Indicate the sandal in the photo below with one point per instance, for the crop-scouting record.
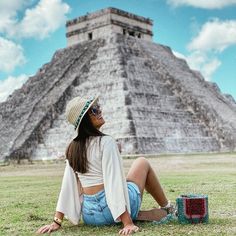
(171, 213)
(169, 208)
(164, 220)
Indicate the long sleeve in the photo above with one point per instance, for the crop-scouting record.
(69, 200)
(115, 185)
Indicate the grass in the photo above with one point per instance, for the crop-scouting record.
(28, 195)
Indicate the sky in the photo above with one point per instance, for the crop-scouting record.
(203, 32)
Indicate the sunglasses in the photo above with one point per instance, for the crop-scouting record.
(95, 109)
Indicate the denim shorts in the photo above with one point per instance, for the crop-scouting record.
(95, 210)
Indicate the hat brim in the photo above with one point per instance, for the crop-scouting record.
(94, 100)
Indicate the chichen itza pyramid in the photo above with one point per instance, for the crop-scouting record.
(152, 101)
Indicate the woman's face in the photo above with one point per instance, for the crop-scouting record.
(95, 114)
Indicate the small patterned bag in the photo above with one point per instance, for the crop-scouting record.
(192, 209)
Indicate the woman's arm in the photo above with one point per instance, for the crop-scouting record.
(129, 226)
(116, 186)
(68, 202)
(69, 198)
(58, 217)
(55, 225)
(114, 180)
(126, 219)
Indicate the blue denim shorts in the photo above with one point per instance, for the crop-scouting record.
(96, 212)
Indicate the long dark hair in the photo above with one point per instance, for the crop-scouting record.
(76, 152)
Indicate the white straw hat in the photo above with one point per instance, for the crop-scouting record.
(76, 109)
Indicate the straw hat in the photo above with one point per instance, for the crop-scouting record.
(76, 109)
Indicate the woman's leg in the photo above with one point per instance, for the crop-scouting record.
(142, 174)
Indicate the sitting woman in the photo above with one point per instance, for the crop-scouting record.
(94, 184)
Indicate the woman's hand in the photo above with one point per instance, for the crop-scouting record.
(48, 228)
(129, 229)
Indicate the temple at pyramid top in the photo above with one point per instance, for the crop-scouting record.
(105, 22)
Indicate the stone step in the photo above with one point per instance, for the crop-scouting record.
(157, 128)
(47, 153)
(156, 87)
(55, 140)
(146, 98)
(182, 145)
(170, 129)
(152, 145)
(153, 113)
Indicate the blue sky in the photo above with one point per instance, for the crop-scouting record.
(201, 31)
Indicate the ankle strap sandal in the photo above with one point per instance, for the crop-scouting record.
(169, 208)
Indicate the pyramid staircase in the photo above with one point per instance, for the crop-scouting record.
(152, 102)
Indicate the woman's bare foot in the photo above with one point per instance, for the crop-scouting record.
(155, 214)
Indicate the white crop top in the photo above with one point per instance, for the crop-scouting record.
(105, 166)
(94, 174)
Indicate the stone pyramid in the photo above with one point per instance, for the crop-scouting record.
(152, 101)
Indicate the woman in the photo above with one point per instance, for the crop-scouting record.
(94, 184)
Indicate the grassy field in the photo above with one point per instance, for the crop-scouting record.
(28, 195)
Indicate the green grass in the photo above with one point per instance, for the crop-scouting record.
(28, 195)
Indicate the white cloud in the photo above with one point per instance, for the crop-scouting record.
(12, 4)
(215, 35)
(37, 22)
(207, 64)
(45, 18)
(206, 4)
(8, 85)
(8, 13)
(209, 68)
(11, 55)
(179, 55)
(211, 40)
(196, 59)
(201, 61)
